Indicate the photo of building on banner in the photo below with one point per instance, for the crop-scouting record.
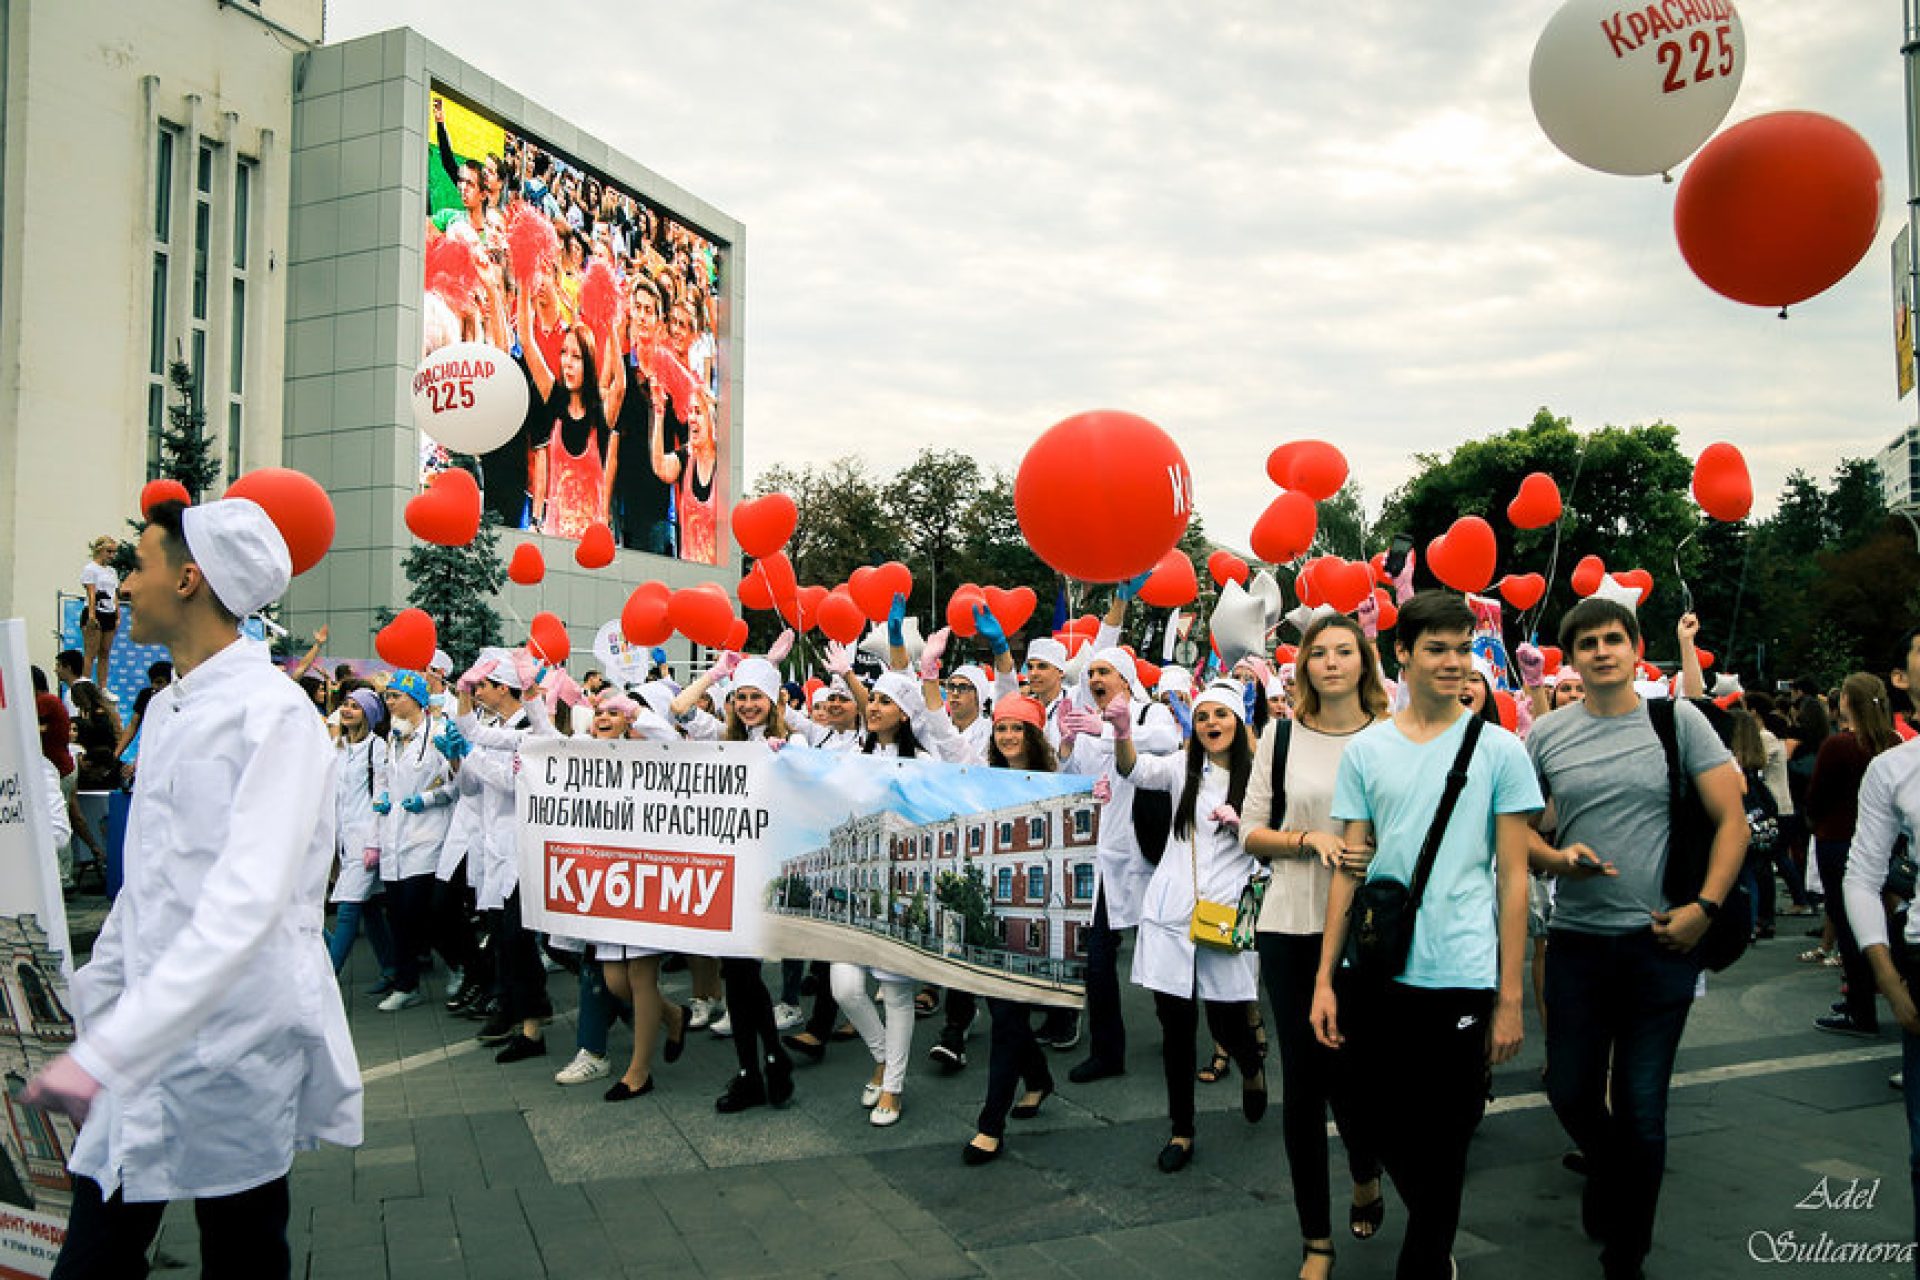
(959, 876)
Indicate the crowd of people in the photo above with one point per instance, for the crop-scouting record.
(1362, 817)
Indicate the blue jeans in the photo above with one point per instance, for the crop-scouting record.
(1616, 1007)
(347, 920)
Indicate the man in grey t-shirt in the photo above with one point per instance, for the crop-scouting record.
(1620, 976)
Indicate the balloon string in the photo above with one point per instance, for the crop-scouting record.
(1686, 592)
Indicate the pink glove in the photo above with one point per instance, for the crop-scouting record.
(1368, 616)
(1102, 790)
(1522, 716)
(1258, 669)
(1227, 816)
(561, 687)
(1403, 581)
(63, 1085)
(724, 665)
(1532, 664)
(1077, 722)
(838, 658)
(370, 857)
(781, 646)
(1119, 714)
(934, 649)
(776, 745)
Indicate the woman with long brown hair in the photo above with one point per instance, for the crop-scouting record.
(1833, 797)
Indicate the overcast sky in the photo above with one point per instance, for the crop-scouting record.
(1250, 222)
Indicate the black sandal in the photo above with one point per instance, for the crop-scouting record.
(1215, 1071)
(1369, 1215)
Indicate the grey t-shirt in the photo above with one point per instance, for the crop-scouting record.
(1607, 778)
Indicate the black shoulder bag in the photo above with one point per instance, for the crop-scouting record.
(1689, 847)
(1152, 814)
(1381, 917)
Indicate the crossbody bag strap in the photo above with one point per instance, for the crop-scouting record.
(1456, 782)
(1282, 738)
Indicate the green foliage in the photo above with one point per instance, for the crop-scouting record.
(186, 451)
(456, 586)
(965, 892)
(917, 911)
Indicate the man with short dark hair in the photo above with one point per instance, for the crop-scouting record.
(212, 1043)
(1620, 978)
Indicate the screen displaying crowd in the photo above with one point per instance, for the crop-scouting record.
(616, 312)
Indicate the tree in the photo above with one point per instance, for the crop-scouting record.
(965, 892)
(928, 501)
(844, 522)
(186, 451)
(1342, 528)
(456, 586)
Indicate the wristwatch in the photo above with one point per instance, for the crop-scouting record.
(1709, 906)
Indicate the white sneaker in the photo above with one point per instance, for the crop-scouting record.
(398, 1000)
(699, 1013)
(454, 978)
(723, 1025)
(584, 1067)
(787, 1016)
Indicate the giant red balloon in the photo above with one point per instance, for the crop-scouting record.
(1523, 590)
(527, 566)
(644, 621)
(1103, 495)
(1537, 504)
(1463, 558)
(840, 618)
(547, 639)
(1587, 575)
(1285, 529)
(763, 525)
(1778, 208)
(1011, 609)
(1314, 467)
(1721, 483)
(165, 489)
(1172, 583)
(448, 513)
(702, 614)
(298, 507)
(408, 641)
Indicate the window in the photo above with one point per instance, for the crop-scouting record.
(946, 842)
(202, 228)
(1083, 882)
(237, 319)
(1083, 822)
(160, 247)
(1036, 884)
(41, 1005)
(1006, 833)
(973, 838)
(926, 845)
(1036, 830)
(1003, 888)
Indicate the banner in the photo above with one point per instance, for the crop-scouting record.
(35, 1028)
(1903, 312)
(955, 875)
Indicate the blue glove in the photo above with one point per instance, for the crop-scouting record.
(383, 805)
(1183, 713)
(414, 804)
(453, 744)
(1131, 587)
(659, 655)
(897, 622)
(990, 630)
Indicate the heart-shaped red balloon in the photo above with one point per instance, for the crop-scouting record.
(1172, 583)
(528, 566)
(1705, 656)
(1551, 652)
(1305, 588)
(840, 619)
(547, 639)
(1285, 529)
(1537, 504)
(408, 641)
(595, 548)
(1224, 567)
(737, 635)
(702, 614)
(873, 590)
(754, 592)
(644, 621)
(165, 489)
(1587, 575)
(960, 607)
(1344, 583)
(811, 600)
(1388, 612)
(448, 513)
(1721, 484)
(762, 525)
(1012, 609)
(1523, 590)
(1640, 580)
(1314, 467)
(1463, 557)
(1285, 653)
(782, 587)
(1379, 565)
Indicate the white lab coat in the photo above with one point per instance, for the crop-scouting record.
(209, 1011)
(359, 779)
(416, 767)
(493, 763)
(1121, 871)
(463, 829)
(57, 820)
(1165, 957)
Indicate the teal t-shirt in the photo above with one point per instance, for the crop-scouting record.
(1395, 783)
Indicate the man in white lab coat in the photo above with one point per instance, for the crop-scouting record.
(212, 1043)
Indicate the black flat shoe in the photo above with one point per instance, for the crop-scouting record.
(1025, 1112)
(1253, 1102)
(1174, 1157)
(972, 1155)
(743, 1092)
(1364, 1220)
(1094, 1069)
(779, 1081)
(811, 1050)
(520, 1048)
(677, 1042)
(621, 1091)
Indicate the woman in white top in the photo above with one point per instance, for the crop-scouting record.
(100, 617)
(359, 790)
(1340, 693)
(1203, 861)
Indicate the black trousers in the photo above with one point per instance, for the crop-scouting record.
(960, 1011)
(519, 976)
(242, 1236)
(1179, 1023)
(1016, 1059)
(750, 1006)
(410, 907)
(1106, 1029)
(1420, 1058)
(1861, 988)
(1312, 1081)
(452, 924)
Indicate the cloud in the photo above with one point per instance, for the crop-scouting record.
(1249, 222)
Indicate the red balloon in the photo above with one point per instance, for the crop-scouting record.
(874, 592)
(1463, 557)
(840, 619)
(1778, 208)
(1011, 609)
(155, 492)
(1640, 580)
(783, 588)
(753, 591)
(408, 641)
(1389, 612)
(595, 548)
(1553, 656)
(736, 635)
(960, 607)
(298, 507)
(1379, 563)
(1345, 583)
(702, 614)
(1537, 505)
(1305, 588)
(1587, 575)
(547, 639)
(1509, 714)
(1285, 653)
(644, 621)
(1721, 483)
(528, 566)
(1705, 656)
(1172, 583)
(1285, 529)
(811, 600)
(1148, 672)
(448, 513)
(1103, 495)
(763, 525)
(1523, 591)
(1224, 567)
(1314, 467)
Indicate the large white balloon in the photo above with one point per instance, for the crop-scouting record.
(1635, 89)
(470, 397)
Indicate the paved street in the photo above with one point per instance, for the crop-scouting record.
(476, 1170)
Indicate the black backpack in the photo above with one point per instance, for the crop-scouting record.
(1152, 813)
(1689, 844)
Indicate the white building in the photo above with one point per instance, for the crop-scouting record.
(1900, 470)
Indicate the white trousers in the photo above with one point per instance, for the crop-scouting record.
(891, 1044)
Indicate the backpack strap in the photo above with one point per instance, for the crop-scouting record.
(1282, 731)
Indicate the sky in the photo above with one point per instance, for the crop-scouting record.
(1248, 222)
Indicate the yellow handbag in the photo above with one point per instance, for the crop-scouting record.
(1212, 923)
